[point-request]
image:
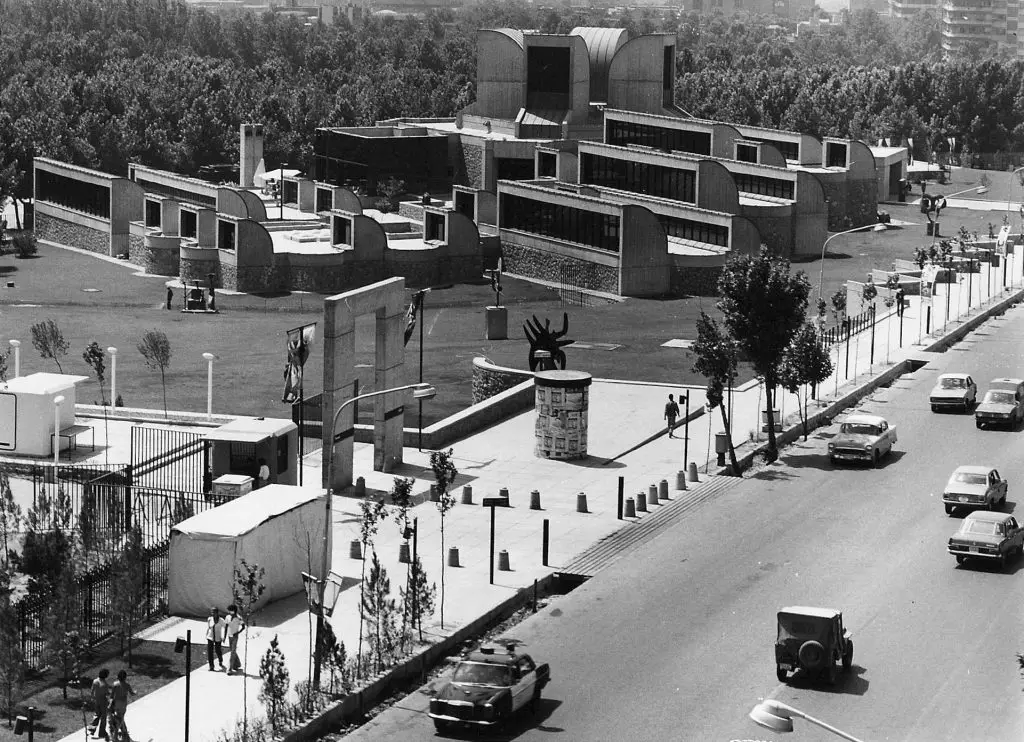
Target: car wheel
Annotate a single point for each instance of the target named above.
(967, 406)
(978, 424)
(1002, 560)
(875, 458)
(781, 674)
(960, 558)
(934, 408)
(812, 655)
(440, 726)
(535, 701)
(830, 672)
(949, 509)
(832, 460)
(848, 657)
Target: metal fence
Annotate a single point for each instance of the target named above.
(570, 291)
(308, 416)
(849, 327)
(170, 459)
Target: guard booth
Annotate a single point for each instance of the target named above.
(237, 447)
(28, 414)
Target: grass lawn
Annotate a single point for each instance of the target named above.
(154, 665)
(92, 299)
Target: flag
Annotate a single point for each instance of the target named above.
(299, 341)
(411, 312)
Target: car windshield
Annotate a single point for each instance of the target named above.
(859, 429)
(951, 382)
(997, 397)
(801, 627)
(480, 674)
(981, 528)
(966, 477)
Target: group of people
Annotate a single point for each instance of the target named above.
(218, 628)
(109, 705)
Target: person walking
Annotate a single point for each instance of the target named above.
(215, 638)
(100, 703)
(671, 413)
(119, 693)
(235, 626)
(170, 296)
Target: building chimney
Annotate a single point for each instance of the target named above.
(250, 152)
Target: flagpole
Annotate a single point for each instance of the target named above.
(423, 318)
(302, 424)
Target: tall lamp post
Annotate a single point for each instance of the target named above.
(778, 717)
(113, 374)
(210, 358)
(420, 391)
(184, 644)
(821, 275)
(16, 344)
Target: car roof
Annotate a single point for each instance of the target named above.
(1004, 380)
(989, 515)
(803, 610)
(862, 418)
(498, 657)
(956, 375)
(973, 469)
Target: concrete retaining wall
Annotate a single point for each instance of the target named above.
(489, 380)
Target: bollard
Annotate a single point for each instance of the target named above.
(355, 549)
(581, 503)
(641, 502)
(652, 495)
(630, 508)
(467, 495)
(680, 480)
(434, 497)
(535, 500)
(503, 493)
(663, 489)
(692, 472)
(403, 553)
(360, 487)
(453, 556)
(503, 561)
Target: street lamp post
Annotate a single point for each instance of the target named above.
(113, 374)
(57, 402)
(778, 717)
(821, 275)
(210, 358)
(420, 391)
(16, 344)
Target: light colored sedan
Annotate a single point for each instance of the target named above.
(993, 536)
(974, 487)
(953, 392)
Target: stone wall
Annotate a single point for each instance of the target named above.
(531, 263)
(192, 271)
(687, 281)
(473, 156)
(137, 253)
(157, 260)
(862, 203)
(489, 380)
(59, 230)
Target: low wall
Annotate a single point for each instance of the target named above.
(489, 380)
(195, 263)
(160, 254)
(529, 262)
(65, 232)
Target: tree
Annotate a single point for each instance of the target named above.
(10, 519)
(372, 512)
(48, 339)
(156, 349)
(275, 677)
(46, 547)
(444, 477)
(806, 363)
(12, 660)
(4, 368)
(95, 356)
(763, 306)
(333, 656)
(389, 191)
(246, 591)
(64, 632)
(419, 600)
(380, 614)
(128, 588)
(715, 355)
(401, 498)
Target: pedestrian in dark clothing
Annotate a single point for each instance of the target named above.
(215, 638)
(671, 413)
(170, 296)
(100, 702)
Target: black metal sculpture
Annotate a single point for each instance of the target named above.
(542, 338)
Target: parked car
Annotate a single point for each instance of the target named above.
(953, 391)
(812, 640)
(993, 536)
(1003, 404)
(974, 487)
(862, 438)
(487, 687)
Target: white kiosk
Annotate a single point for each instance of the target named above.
(27, 416)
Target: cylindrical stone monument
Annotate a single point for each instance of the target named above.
(562, 403)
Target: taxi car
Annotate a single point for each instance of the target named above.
(953, 392)
(974, 487)
(982, 535)
(812, 640)
(488, 687)
(862, 438)
(1003, 404)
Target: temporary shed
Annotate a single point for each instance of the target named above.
(238, 446)
(279, 527)
(27, 414)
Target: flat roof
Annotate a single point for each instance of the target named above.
(252, 429)
(43, 383)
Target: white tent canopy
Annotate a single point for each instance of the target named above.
(261, 177)
(278, 527)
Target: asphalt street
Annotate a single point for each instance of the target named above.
(675, 641)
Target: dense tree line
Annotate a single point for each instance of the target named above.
(102, 83)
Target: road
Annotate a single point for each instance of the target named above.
(675, 641)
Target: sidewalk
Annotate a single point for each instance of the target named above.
(622, 416)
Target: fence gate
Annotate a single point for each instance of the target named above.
(170, 459)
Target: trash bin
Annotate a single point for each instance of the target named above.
(721, 447)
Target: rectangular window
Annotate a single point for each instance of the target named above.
(835, 154)
(324, 199)
(711, 234)
(547, 165)
(225, 235)
(764, 186)
(789, 150)
(243, 458)
(548, 77)
(291, 191)
(188, 221)
(71, 193)
(559, 222)
(668, 76)
(637, 177)
(668, 139)
(152, 213)
(465, 204)
(433, 227)
(342, 231)
(746, 152)
(178, 194)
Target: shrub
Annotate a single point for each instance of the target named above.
(25, 245)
